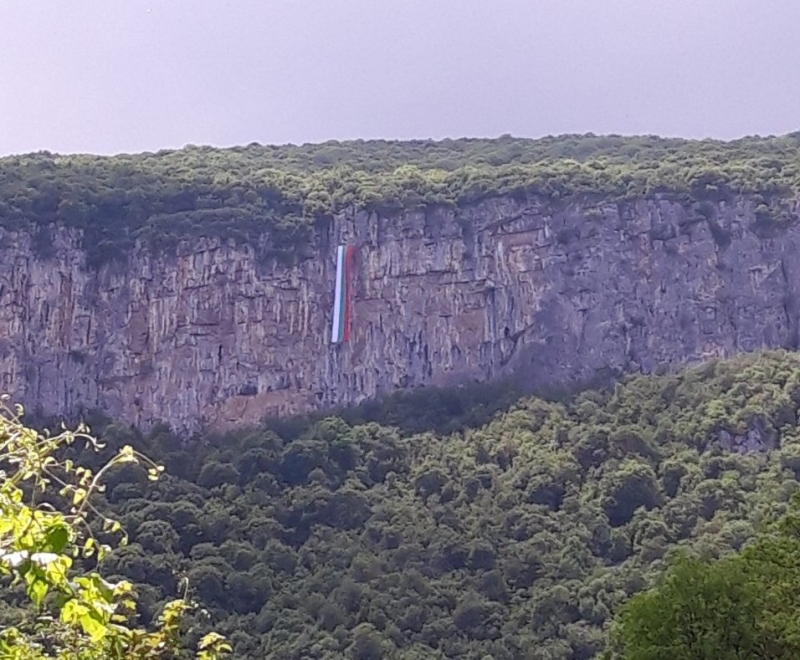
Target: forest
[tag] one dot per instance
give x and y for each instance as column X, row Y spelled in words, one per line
column 272, row 197
column 436, row 523
column 427, row 526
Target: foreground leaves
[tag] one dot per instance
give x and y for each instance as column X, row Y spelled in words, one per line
column 75, row 616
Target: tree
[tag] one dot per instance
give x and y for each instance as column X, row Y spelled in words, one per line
column 773, row 562
column 741, row 606
column 698, row 611
column 76, row 615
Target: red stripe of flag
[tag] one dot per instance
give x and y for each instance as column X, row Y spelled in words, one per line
column 348, row 256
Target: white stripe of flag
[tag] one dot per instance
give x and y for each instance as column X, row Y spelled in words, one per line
column 337, row 330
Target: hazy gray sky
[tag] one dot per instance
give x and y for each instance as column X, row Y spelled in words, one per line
column 106, row 76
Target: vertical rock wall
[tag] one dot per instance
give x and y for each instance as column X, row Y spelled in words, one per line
column 440, row 297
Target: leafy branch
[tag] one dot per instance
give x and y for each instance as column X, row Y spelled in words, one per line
column 76, row 616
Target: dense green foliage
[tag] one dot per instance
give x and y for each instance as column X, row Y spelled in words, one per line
column 518, row 539
column 271, row 197
column 443, row 410
column 698, row 610
column 739, row 607
column 46, row 519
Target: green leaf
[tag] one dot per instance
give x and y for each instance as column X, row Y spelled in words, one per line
column 57, row 538
column 37, row 589
column 79, row 496
column 92, row 626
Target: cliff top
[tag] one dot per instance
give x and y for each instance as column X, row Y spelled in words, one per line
column 243, row 192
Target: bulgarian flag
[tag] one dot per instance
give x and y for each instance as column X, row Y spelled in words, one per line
column 340, row 332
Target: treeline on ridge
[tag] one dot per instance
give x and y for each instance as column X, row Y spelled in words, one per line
column 246, row 194
column 519, row 538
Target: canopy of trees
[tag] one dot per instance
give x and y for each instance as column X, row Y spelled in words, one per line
column 271, row 197
column 519, row 538
column 738, row 607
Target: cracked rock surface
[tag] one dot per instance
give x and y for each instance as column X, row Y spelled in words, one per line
column 554, row 293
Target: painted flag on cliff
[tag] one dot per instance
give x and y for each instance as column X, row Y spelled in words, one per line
column 340, row 332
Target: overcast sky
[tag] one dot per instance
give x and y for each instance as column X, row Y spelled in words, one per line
column 106, row 76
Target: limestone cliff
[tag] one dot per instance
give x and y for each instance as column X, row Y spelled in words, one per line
column 555, row 292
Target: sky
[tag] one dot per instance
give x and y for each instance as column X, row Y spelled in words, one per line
column 110, row 76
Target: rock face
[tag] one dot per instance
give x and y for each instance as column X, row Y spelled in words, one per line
column 555, row 293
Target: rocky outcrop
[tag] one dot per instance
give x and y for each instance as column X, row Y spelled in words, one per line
column 553, row 292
